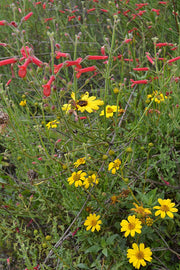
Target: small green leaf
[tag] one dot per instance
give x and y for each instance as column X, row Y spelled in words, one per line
column 2, row 181
column 105, row 252
column 94, row 248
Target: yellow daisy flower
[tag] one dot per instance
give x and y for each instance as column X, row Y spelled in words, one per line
column 88, row 104
column 110, row 110
column 22, row 103
column 131, row 227
column 166, row 208
column 138, row 255
column 52, row 124
column 77, row 178
column 91, row 181
column 141, row 211
column 79, row 162
column 114, row 166
column 93, row 223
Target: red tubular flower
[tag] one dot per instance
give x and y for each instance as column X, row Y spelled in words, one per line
column 175, row 48
column 71, row 17
column 90, row 10
column 104, row 10
column 138, row 82
column 22, row 69
column 74, row 63
column 141, row 69
column 8, row 61
column 3, row 44
column 163, row 2
column 96, row 57
column 84, row 70
column 61, row 11
column 47, row 87
column 61, row 54
column 37, row 3
column 48, row 19
column 25, row 51
column 149, row 58
column 141, row 5
column 36, row 61
column 103, row 50
column 27, row 16
column 173, row 59
column 161, row 44
column 128, row 40
column 156, row 10
column 125, row 12
column 3, row 22
column 8, row 82
column 58, row 67
column 82, row 117
column 44, row 6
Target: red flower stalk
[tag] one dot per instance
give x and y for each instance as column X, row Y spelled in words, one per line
column 89, row 10
column 3, row 22
column 8, row 61
column 22, row 69
column 74, row 63
column 82, row 117
column 96, row 57
column 47, row 87
column 141, row 69
column 84, row 70
column 58, row 67
column 61, row 54
column 149, row 58
column 36, row 61
column 173, row 59
column 61, row 11
column 138, row 82
column 27, row 16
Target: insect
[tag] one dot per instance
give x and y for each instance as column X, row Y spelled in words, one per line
column 82, row 103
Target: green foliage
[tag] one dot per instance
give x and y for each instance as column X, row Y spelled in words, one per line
column 112, row 117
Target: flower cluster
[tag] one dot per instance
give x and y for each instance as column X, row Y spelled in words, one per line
column 156, row 97
column 52, row 124
column 138, row 255
column 80, row 178
column 114, row 166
